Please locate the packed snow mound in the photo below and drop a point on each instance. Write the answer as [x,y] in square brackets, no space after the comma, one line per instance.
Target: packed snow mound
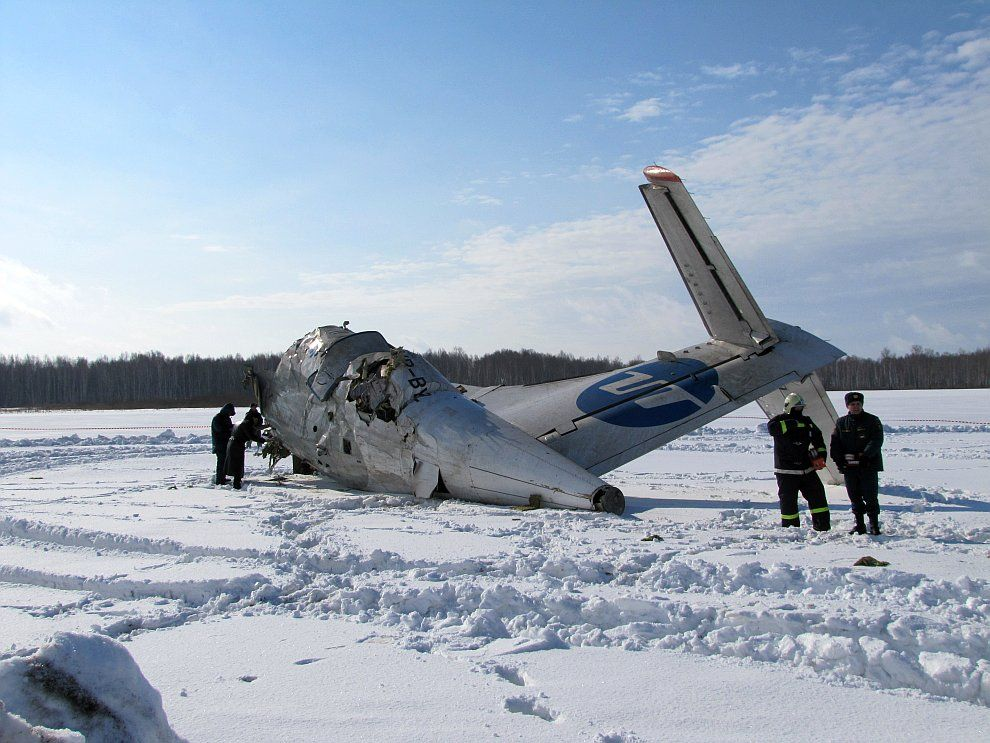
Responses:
[14,729]
[80,688]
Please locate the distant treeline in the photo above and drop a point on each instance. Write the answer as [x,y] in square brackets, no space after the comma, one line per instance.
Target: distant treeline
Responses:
[921,369]
[515,367]
[154,380]
[128,381]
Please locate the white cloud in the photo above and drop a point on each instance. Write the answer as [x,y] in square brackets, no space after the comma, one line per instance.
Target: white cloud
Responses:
[42,316]
[973,53]
[859,218]
[470,196]
[907,332]
[904,86]
[865,74]
[642,110]
[603,284]
[29,298]
[610,104]
[933,333]
[877,201]
[804,55]
[730,72]
[648,78]
[843,58]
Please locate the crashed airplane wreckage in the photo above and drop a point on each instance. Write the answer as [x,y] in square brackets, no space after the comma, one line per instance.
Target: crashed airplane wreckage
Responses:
[379,418]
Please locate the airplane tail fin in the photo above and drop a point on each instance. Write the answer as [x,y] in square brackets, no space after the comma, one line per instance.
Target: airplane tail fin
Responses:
[726,307]
[724,302]
[817,407]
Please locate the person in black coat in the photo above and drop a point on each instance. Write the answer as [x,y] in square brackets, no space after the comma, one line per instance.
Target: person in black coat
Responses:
[220,431]
[798,454]
[855,447]
[247,430]
[255,415]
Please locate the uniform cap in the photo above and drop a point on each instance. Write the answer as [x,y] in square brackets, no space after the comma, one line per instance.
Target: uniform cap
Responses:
[854,397]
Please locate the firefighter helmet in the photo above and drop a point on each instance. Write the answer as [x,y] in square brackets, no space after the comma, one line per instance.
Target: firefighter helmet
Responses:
[793,400]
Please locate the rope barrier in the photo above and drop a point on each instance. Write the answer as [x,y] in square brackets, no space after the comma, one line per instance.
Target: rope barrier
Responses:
[101,428]
[891,420]
[160,428]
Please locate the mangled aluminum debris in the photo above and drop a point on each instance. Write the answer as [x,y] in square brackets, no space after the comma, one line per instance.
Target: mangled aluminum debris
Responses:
[380,418]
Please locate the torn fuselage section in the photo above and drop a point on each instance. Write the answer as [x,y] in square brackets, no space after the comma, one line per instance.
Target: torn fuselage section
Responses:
[380,418]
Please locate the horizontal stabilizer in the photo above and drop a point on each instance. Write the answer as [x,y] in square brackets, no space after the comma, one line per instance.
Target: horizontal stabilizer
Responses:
[726,307]
[605,420]
[817,407]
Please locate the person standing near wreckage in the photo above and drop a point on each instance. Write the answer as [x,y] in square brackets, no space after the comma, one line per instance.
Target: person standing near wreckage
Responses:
[247,430]
[220,433]
[798,454]
[254,415]
[855,447]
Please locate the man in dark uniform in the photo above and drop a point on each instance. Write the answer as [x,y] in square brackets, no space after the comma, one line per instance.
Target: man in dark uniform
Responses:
[247,430]
[220,431]
[855,447]
[254,414]
[798,454]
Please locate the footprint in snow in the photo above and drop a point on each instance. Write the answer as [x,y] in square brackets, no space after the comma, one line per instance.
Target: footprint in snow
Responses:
[508,673]
[530,706]
[620,736]
[306,661]
[248,679]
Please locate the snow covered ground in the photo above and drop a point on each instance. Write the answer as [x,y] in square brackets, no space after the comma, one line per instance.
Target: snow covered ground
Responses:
[293,610]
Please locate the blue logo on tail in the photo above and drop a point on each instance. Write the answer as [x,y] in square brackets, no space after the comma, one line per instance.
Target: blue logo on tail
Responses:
[639,398]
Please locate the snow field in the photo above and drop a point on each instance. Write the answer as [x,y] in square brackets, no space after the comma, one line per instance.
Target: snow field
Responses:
[127,540]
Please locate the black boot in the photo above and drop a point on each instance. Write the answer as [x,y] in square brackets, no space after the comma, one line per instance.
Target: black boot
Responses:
[875,524]
[790,522]
[821,521]
[860,527]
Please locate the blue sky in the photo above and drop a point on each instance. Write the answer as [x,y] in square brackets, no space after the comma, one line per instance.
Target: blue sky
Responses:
[218,178]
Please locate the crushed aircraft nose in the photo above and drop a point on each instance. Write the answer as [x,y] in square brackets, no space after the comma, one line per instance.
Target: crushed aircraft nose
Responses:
[380,418]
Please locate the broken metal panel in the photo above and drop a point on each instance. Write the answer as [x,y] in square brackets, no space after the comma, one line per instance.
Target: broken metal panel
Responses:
[426,477]
[340,348]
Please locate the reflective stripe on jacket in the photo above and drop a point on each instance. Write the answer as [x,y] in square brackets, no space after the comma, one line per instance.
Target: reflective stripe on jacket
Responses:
[796,441]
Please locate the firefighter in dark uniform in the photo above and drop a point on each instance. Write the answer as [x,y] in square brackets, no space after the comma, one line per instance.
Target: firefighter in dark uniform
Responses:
[798,454]
[220,432]
[855,447]
[247,430]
